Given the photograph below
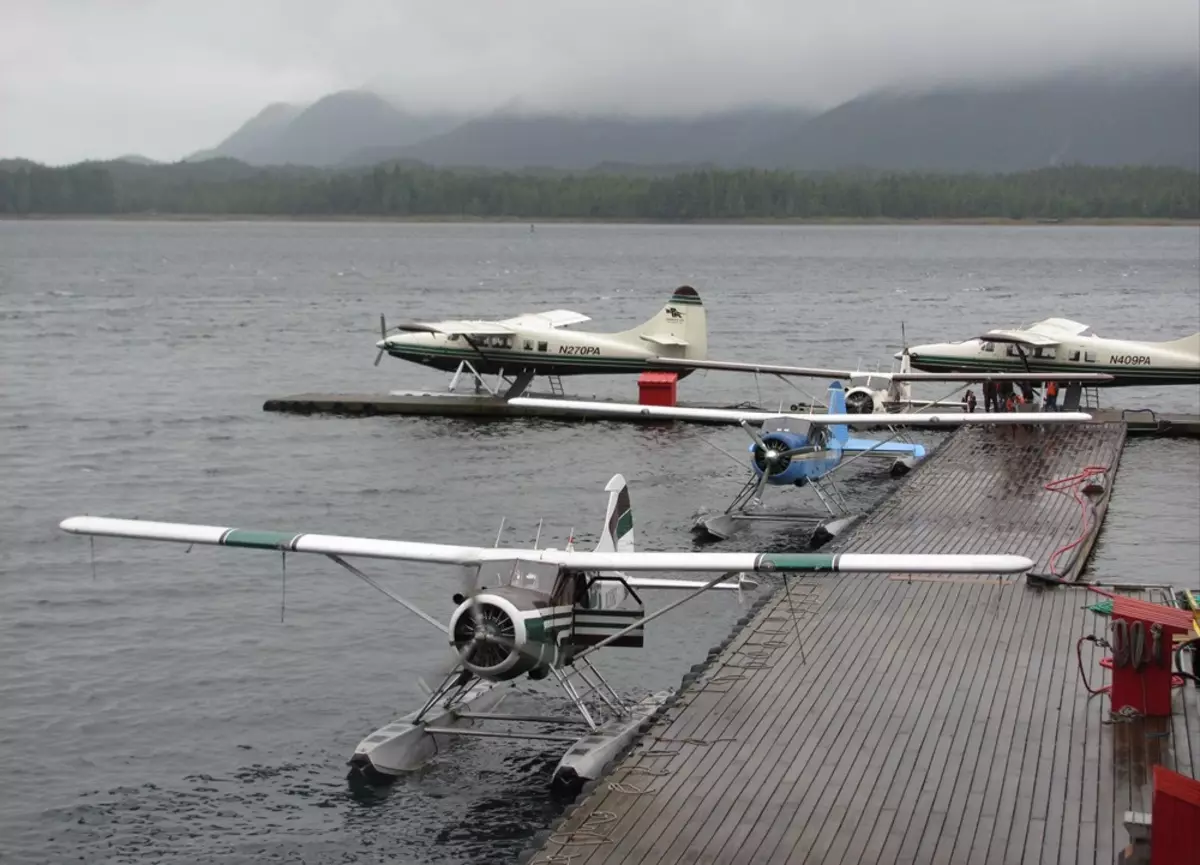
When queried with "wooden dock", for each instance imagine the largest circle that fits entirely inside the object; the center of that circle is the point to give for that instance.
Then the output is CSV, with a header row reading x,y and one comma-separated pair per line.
x,y
464,405
875,719
1140,422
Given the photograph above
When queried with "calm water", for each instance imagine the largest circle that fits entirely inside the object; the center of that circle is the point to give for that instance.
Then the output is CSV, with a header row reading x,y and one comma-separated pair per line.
x,y
154,708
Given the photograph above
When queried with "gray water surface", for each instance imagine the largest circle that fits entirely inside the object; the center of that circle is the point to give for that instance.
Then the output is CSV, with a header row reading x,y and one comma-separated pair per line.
x,y
153,708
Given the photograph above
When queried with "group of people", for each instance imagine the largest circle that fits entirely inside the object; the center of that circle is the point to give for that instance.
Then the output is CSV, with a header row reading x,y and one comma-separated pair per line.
x,y
1002,396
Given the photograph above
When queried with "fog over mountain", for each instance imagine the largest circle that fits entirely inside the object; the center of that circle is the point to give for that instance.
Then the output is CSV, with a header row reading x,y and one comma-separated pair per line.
x,y
90,79
1095,118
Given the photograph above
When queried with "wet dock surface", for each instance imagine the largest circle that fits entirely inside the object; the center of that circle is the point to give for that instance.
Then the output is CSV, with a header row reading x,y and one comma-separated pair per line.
x,y
877,719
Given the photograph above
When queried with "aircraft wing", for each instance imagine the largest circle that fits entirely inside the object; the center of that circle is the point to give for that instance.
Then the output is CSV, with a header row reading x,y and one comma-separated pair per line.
x,y
1023,337
998,376
338,545
737,366
586,408
819,372
450,328
552,318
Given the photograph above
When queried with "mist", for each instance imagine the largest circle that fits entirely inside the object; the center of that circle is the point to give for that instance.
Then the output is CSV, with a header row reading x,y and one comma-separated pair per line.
x,y
91,79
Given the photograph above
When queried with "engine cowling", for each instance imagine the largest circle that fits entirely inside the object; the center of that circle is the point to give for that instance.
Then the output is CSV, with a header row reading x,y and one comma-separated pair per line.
x,y
501,634
861,400
784,470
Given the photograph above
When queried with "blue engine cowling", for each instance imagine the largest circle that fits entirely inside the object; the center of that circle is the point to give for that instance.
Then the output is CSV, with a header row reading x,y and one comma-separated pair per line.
x,y
786,470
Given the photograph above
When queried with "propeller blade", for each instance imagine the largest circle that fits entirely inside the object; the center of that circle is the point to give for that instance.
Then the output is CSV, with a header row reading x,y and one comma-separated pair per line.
x,y
753,433
382,336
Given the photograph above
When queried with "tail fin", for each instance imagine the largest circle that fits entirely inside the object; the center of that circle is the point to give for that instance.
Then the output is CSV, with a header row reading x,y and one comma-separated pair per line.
x,y
680,329
1189,345
839,432
617,534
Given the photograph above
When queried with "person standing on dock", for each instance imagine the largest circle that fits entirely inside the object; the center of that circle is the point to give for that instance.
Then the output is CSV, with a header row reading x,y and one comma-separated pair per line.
x,y
970,401
990,403
1051,396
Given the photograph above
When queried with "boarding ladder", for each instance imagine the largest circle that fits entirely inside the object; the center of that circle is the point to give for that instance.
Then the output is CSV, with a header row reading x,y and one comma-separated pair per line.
x,y
1091,397
556,385
581,680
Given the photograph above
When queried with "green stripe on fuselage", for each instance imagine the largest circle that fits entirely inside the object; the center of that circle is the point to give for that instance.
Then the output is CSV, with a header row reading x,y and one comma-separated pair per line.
x,y
686,299
1143,375
513,361
259,540
807,562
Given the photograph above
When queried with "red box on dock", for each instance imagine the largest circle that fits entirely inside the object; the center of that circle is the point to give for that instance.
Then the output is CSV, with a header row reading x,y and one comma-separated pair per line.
x,y
657,388
1148,689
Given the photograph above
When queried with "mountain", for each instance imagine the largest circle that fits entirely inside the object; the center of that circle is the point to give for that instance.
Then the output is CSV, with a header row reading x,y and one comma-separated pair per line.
x,y
254,137
328,132
515,141
1100,119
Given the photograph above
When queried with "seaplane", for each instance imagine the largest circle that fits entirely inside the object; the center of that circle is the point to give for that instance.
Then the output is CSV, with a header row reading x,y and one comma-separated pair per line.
x,y
879,391
517,349
536,615
1061,347
805,450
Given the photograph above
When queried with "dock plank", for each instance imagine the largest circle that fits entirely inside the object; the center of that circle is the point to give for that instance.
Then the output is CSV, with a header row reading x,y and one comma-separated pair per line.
x,y
881,718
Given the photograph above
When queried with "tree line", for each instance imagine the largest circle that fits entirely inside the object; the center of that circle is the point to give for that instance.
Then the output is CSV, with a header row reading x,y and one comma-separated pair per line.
x,y
1069,192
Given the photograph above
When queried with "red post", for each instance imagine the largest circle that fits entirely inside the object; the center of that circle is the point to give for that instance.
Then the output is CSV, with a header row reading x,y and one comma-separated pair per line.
x,y
1175,819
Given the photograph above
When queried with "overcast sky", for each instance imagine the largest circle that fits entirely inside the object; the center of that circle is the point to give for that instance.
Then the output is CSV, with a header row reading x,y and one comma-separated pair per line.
x,y
101,78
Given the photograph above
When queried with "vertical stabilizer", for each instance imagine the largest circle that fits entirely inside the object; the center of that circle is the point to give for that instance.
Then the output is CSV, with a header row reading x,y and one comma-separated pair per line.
x,y
838,432
680,329
617,534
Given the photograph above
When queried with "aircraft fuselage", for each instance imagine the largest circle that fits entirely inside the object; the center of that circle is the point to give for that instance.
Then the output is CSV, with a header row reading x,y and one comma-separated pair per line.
x,y
1130,363
540,352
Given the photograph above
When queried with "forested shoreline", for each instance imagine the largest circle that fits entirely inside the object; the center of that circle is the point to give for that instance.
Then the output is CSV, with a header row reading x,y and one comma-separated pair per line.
x,y
229,188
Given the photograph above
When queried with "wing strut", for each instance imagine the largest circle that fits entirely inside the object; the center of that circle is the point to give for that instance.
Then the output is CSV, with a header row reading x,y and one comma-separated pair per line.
x,y
399,600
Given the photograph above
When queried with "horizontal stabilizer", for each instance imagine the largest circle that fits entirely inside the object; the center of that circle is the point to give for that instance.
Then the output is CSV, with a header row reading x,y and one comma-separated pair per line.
x,y
586,408
731,563
890,449
663,339
650,583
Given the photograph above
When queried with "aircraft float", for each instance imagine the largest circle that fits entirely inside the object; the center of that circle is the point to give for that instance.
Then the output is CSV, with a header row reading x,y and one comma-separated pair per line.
x,y
804,450
538,343
537,614
1064,347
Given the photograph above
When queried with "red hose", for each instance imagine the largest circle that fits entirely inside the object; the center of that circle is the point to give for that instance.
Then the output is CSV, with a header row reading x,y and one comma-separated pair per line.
x,y
1073,484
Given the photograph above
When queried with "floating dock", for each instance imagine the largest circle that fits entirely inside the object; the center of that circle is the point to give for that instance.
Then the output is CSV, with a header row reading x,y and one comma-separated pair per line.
x,y
1140,422
933,719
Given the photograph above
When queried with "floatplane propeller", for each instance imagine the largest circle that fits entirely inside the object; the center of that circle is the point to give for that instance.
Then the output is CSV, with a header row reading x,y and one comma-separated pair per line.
x,y
538,613
384,330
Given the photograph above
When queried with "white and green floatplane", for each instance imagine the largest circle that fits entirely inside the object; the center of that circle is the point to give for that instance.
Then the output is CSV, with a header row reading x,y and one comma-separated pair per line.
x,y
538,614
